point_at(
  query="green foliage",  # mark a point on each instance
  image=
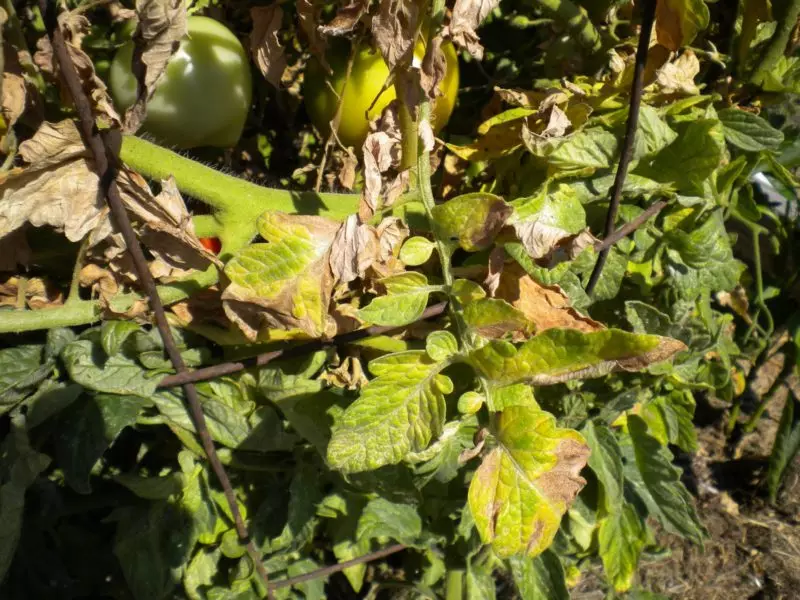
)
(525, 434)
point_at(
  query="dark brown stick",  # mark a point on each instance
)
(105, 150)
(630, 226)
(325, 571)
(648, 16)
(181, 378)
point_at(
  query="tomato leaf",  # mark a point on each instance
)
(525, 484)
(559, 355)
(540, 577)
(671, 501)
(473, 219)
(621, 538)
(87, 428)
(400, 411)
(285, 283)
(748, 131)
(406, 299)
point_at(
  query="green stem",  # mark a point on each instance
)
(225, 192)
(454, 585)
(206, 226)
(788, 12)
(85, 312)
(734, 416)
(576, 20)
(238, 202)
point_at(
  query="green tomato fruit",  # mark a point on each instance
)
(204, 96)
(367, 76)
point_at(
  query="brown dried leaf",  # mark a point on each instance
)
(14, 96)
(162, 25)
(557, 123)
(346, 18)
(677, 77)
(394, 29)
(353, 251)
(348, 375)
(308, 15)
(545, 306)
(38, 293)
(14, 250)
(381, 152)
(434, 68)
(61, 189)
(265, 46)
(467, 16)
(347, 171)
(75, 27)
(101, 281)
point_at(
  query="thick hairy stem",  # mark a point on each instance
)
(224, 192)
(787, 13)
(238, 203)
(576, 20)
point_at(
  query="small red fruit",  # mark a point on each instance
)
(211, 244)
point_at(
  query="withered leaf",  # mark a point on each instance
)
(287, 282)
(467, 16)
(677, 77)
(545, 306)
(14, 96)
(308, 15)
(75, 27)
(265, 46)
(346, 18)
(394, 28)
(162, 25)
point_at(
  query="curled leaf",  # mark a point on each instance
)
(467, 16)
(162, 25)
(265, 46)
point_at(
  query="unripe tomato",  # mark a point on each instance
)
(368, 74)
(204, 96)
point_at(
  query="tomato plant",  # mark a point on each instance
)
(364, 97)
(204, 96)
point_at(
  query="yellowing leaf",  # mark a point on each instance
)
(559, 355)
(544, 220)
(400, 411)
(285, 283)
(525, 485)
(621, 538)
(679, 21)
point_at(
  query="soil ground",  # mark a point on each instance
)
(753, 550)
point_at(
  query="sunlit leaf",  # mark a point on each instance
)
(285, 283)
(405, 300)
(400, 411)
(748, 131)
(621, 538)
(526, 483)
(473, 219)
(559, 355)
